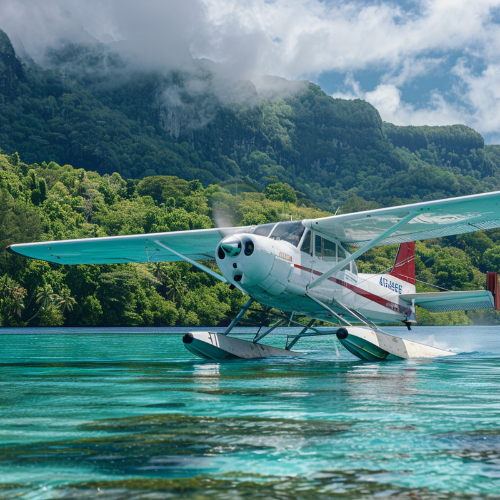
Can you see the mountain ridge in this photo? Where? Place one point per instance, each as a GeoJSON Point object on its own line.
{"type": "Point", "coordinates": [91, 109]}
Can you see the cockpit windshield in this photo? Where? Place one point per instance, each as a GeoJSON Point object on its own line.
{"type": "Point", "coordinates": [264, 229]}
{"type": "Point", "coordinates": [288, 231]}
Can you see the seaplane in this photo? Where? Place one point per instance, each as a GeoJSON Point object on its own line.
{"type": "Point", "coordinates": [304, 271]}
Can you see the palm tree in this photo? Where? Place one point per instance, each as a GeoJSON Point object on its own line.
{"type": "Point", "coordinates": [5, 286]}
{"type": "Point", "coordinates": [65, 301]}
{"type": "Point", "coordinates": [18, 300]}
{"type": "Point", "coordinates": [45, 296]}
{"type": "Point", "coordinates": [174, 285]}
{"type": "Point", "coordinates": [159, 272]}
{"type": "Point", "coordinates": [11, 297]}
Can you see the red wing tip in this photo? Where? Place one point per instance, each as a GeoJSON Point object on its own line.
{"type": "Point", "coordinates": [10, 250]}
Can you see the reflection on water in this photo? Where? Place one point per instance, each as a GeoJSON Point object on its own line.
{"type": "Point", "coordinates": [134, 415]}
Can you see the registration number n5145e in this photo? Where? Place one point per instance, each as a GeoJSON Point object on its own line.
{"type": "Point", "coordinates": [391, 285]}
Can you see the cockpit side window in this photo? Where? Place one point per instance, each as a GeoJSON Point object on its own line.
{"type": "Point", "coordinates": [264, 229]}
{"type": "Point", "coordinates": [306, 243]}
{"type": "Point", "coordinates": [288, 231]}
{"type": "Point", "coordinates": [330, 252]}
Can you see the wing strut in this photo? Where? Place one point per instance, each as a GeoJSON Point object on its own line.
{"type": "Point", "coordinates": [359, 317]}
{"type": "Point", "coordinates": [363, 249]}
{"type": "Point", "coordinates": [326, 308]}
{"type": "Point", "coordinates": [193, 262]}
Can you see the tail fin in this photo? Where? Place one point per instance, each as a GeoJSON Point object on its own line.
{"type": "Point", "coordinates": [404, 265]}
{"type": "Point", "coordinates": [492, 286]}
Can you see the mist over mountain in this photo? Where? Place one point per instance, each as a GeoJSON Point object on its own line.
{"type": "Point", "coordinates": [91, 104]}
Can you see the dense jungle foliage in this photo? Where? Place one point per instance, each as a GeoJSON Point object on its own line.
{"type": "Point", "coordinates": [172, 150]}
{"type": "Point", "coordinates": [46, 202]}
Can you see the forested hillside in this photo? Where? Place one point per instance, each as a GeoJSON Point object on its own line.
{"type": "Point", "coordinates": [173, 150]}
{"type": "Point", "coordinates": [89, 109]}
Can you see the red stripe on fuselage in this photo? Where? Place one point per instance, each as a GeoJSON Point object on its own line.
{"type": "Point", "coordinates": [359, 291]}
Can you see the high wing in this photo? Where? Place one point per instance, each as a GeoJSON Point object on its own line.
{"type": "Point", "coordinates": [452, 301]}
{"type": "Point", "coordinates": [384, 226]}
{"type": "Point", "coordinates": [196, 244]}
{"type": "Point", "coordinates": [430, 219]}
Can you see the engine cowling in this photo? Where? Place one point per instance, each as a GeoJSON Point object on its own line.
{"type": "Point", "coordinates": [250, 260]}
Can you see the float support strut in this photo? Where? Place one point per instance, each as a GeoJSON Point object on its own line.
{"type": "Point", "coordinates": [297, 338]}
{"type": "Point", "coordinates": [236, 320]}
{"type": "Point", "coordinates": [326, 308]}
{"type": "Point", "coordinates": [268, 331]}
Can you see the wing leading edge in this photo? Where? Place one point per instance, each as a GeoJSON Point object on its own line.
{"type": "Point", "coordinates": [197, 244]}
{"type": "Point", "coordinates": [432, 219]}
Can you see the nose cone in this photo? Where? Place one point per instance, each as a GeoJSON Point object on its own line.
{"type": "Point", "coordinates": [244, 259]}
{"type": "Point", "coordinates": [231, 246]}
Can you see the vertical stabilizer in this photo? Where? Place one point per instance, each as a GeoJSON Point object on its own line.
{"type": "Point", "coordinates": [404, 265]}
{"type": "Point", "coordinates": [492, 286]}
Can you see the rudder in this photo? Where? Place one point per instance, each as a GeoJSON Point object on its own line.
{"type": "Point", "coordinates": [404, 265]}
{"type": "Point", "coordinates": [492, 286]}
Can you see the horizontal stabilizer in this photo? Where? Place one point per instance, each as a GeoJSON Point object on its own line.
{"type": "Point", "coordinates": [452, 301]}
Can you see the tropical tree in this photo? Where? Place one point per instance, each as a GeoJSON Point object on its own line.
{"type": "Point", "coordinates": [11, 298]}
{"type": "Point", "coordinates": [64, 301]}
{"type": "Point", "coordinates": [175, 284]}
{"type": "Point", "coordinates": [45, 296]}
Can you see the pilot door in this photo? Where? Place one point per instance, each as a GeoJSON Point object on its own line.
{"type": "Point", "coordinates": [326, 254]}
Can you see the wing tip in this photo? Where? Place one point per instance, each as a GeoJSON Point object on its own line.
{"type": "Point", "coordinates": [9, 249]}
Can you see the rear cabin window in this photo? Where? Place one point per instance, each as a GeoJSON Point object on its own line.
{"type": "Point", "coordinates": [325, 249]}
{"type": "Point", "coordinates": [354, 268]}
{"type": "Point", "coordinates": [341, 256]}
{"type": "Point", "coordinates": [288, 231]}
{"type": "Point", "coordinates": [331, 252]}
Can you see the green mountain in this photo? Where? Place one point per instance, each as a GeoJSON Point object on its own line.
{"type": "Point", "coordinates": [95, 111]}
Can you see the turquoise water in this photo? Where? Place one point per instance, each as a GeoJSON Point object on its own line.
{"type": "Point", "coordinates": [124, 413]}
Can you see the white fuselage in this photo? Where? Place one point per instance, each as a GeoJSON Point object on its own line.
{"type": "Point", "coordinates": [276, 273]}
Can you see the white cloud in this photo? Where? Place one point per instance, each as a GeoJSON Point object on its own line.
{"type": "Point", "coordinates": [308, 37]}
{"type": "Point", "coordinates": [482, 95]}
{"type": "Point", "coordinates": [152, 31]}
{"type": "Point", "coordinates": [387, 98]}
{"type": "Point", "coordinates": [412, 68]}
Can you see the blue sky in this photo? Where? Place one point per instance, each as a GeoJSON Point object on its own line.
{"type": "Point", "coordinates": [434, 62]}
